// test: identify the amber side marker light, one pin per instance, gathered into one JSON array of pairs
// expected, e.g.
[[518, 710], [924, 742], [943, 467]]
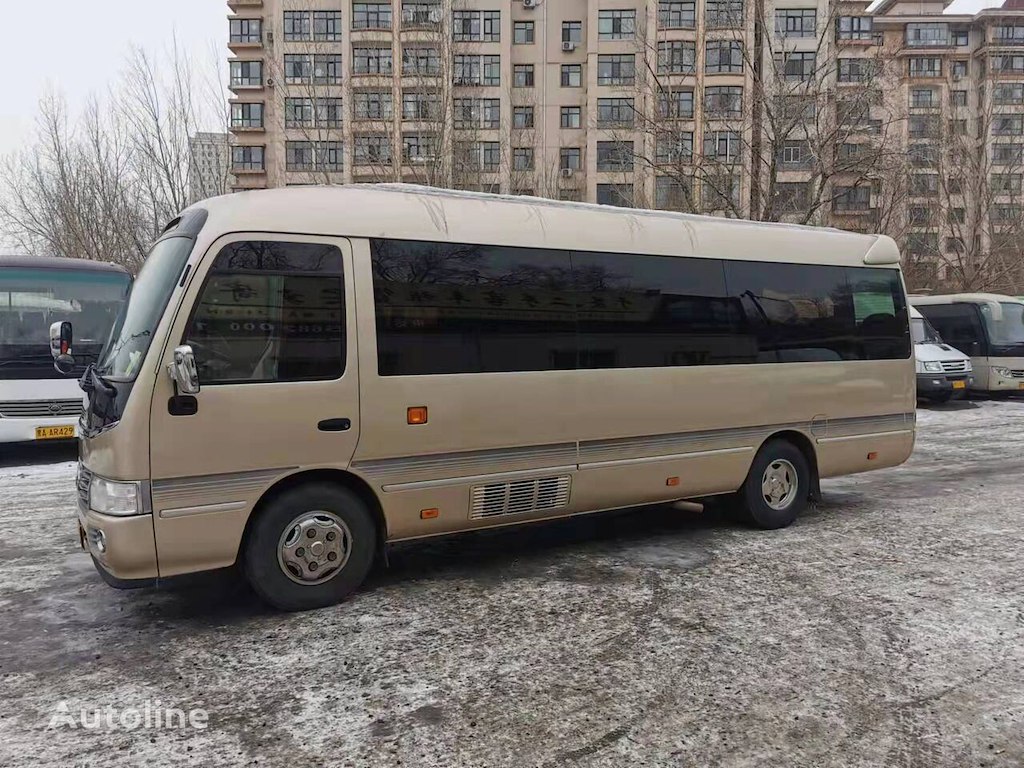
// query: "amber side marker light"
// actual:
[[672, 481], [873, 455], [416, 415], [429, 514]]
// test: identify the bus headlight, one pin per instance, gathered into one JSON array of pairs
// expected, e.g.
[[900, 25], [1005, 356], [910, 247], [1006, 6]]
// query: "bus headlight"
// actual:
[[1004, 372], [112, 497], [969, 367], [933, 367]]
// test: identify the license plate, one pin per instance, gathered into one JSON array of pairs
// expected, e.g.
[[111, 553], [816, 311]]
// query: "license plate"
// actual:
[[55, 433], [1021, 385], [959, 385]]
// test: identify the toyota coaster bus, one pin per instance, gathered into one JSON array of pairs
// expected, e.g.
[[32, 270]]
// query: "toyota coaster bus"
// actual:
[[303, 376], [988, 327], [37, 402]]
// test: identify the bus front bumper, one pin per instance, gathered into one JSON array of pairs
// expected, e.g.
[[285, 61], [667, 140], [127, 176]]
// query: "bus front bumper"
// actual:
[[23, 430], [122, 548], [951, 386]]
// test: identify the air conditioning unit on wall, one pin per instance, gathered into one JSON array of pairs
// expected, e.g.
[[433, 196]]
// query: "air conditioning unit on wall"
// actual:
[[566, 173], [568, 47], [531, 3]]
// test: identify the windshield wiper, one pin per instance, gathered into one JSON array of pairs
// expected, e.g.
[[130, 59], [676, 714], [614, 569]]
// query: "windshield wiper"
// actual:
[[91, 381]]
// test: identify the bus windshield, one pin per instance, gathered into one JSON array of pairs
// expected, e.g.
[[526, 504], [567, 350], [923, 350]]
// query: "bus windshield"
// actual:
[[1010, 329], [140, 315], [33, 298], [923, 332]]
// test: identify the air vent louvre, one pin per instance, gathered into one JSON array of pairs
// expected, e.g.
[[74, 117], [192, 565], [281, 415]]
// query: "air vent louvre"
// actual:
[[519, 497]]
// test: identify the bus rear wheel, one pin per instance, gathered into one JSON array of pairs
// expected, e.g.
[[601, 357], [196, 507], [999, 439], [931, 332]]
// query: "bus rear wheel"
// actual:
[[310, 547], [777, 487]]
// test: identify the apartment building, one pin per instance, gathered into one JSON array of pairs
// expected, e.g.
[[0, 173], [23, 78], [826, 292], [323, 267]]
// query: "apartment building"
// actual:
[[644, 102], [209, 165]]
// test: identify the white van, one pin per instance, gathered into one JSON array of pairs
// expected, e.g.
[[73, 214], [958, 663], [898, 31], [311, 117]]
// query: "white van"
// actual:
[[943, 373]]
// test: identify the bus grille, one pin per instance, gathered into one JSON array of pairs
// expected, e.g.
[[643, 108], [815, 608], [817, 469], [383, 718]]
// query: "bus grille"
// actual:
[[518, 497], [45, 409], [82, 482], [954, 366], [1017, 374]]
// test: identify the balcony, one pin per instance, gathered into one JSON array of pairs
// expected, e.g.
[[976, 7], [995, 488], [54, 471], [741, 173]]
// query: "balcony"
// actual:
[[236, 5], [242, 43]]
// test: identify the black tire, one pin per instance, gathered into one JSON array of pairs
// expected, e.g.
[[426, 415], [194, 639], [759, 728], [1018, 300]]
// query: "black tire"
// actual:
[[266, 574], [755, 506]]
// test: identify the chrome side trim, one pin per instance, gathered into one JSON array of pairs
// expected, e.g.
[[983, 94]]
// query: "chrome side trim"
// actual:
[[230, 506], [466, 463], [667, 457], [866, 435]]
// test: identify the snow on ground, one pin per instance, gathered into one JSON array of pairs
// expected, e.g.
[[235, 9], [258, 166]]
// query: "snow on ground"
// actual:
[[886, 627]]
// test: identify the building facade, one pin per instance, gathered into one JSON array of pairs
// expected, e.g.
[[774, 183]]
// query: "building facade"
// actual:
[[209, 165], [815, 112]]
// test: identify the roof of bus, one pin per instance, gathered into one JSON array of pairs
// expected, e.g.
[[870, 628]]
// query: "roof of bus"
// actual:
[[57, 262], [410, 212], [962, 298]]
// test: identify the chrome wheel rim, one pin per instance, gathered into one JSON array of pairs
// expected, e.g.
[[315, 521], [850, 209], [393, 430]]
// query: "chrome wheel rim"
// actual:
[[779, 484], [314, 547]]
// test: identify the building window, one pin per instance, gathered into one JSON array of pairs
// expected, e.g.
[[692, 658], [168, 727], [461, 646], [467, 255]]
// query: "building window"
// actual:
[[247, 115], [722, 56], [720, 14], [247, 158], [673, 14], [676, 104], [960, 37], [927, 34], [922, 98], [924, 184], [797, 66], [853, 28], [723, 146], [615, 156], [671, 194], [572, 75], [925, 66], [674, 148], [522, 158], [477, 70], [298, 113], [723, 101], [851, 199], [327, 26], [477, 113], [721, 192], [522, 75], [418, 148], [958, 98], [421, 62], [1007, 154], [795, 154], [1007, 125], [855, 70], [246, 74], [792, 196], [616, 69], [922, 126], [371, 15], [327, 69], [1007, 63], [1009, 33], [570, 158], [330, 155], [796, 22], [522, 33], [371, 61], [616, 24], [477, 26], [677, 57], [1008, 93], [371, 149], [922, 155], [957, 215], [920, 216], [571, 117], [246, 30], [522, 117], [1007, 183], [619, 195], [421, 105], [615, 113], [372, 105], [572, 32], [299, 156], [297, 26], [957, 69], [421, 14]]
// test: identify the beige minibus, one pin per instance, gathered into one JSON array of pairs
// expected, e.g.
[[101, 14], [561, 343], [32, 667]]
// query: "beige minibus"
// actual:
[[303, 376]]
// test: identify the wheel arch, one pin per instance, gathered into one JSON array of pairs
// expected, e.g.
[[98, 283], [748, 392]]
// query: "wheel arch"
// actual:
[[804, 444], [340, 477]]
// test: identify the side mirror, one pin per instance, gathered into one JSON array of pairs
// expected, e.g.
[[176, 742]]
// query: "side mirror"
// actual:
[[183, 371], [60, 347]]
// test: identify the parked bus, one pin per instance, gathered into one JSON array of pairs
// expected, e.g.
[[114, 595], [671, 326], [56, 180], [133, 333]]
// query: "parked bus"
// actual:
[[943, 373], [303, 376], [37, 402], [989, 328]]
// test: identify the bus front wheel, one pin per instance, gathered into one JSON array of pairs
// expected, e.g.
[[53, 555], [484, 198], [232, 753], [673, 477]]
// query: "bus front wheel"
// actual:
[[310, 547], [777, 486]]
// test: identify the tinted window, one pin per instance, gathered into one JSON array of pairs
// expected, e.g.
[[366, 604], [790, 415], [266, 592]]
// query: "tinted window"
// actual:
[[270, 311], [958, 324], [453, 308], [648, 311], [879, 313]]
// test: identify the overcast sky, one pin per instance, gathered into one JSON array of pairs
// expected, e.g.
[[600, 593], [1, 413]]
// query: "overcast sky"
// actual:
[[79, 48]]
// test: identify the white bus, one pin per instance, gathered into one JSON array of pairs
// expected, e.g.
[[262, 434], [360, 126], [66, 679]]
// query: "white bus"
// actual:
[[303, 376], [37, 402], [987, 326]]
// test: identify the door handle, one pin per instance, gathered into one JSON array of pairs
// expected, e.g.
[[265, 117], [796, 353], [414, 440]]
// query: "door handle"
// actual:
[[334, 425]]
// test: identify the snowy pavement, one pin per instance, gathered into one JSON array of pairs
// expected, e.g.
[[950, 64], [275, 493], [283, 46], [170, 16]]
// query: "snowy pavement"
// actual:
[[885, 628]]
